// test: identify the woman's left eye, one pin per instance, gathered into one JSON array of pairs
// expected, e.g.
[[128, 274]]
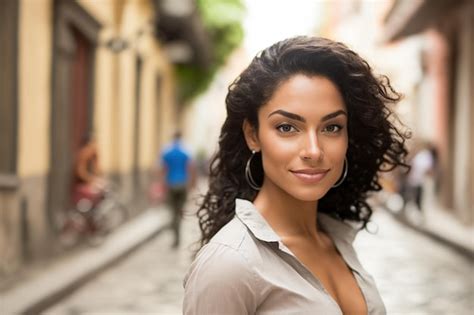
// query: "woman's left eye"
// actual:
[[333, 128], [285, 128]]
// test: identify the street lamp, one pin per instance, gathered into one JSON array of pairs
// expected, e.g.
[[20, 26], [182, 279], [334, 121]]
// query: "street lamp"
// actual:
[[117, 44]]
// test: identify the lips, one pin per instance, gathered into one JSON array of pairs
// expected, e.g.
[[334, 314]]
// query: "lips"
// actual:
[[310, 176]]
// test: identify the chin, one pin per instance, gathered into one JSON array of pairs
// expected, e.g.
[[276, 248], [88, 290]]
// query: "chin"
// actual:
[[309, 195], [298, 191]]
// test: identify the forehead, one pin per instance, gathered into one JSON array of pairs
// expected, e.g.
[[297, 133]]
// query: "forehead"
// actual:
[[306, 95]]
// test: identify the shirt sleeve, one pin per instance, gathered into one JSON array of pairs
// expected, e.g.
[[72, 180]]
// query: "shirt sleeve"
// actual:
[[220, 281]]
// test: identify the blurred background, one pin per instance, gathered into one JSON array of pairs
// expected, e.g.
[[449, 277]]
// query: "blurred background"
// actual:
[[129, 73]]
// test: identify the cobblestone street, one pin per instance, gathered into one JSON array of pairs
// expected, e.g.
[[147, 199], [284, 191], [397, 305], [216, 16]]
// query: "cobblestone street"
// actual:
[[414, 274]]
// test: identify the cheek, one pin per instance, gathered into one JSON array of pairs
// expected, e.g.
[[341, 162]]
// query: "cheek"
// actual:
[[337, 153], [276, 152], [273, 153], [336, 148]]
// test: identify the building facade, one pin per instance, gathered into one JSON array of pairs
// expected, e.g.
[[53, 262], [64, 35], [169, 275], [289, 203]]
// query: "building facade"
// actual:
[[72, 68], [445, 92], [426, 49]]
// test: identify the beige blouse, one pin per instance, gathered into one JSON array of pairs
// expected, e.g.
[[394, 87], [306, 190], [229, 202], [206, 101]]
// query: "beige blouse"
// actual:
[[246, 269]]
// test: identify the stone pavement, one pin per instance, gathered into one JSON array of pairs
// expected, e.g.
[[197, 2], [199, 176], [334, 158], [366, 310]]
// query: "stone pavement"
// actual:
[[415, 275], [54, 281], [148, 282], [434, 221]]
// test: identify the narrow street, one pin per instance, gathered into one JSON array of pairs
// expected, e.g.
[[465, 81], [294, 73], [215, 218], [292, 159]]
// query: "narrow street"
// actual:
[[108, 102], [148, 281], [415, 275]]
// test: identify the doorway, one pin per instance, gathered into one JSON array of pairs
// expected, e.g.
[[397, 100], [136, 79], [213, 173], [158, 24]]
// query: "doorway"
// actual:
[[75, 38]]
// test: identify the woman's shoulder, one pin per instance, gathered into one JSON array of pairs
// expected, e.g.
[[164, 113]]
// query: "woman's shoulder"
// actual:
[[232, 234], [220, 281], [232, 241], [219, 269], [228, 253], [220, 258]]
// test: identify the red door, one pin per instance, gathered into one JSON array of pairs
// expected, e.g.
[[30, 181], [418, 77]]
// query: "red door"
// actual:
[[80, 92]]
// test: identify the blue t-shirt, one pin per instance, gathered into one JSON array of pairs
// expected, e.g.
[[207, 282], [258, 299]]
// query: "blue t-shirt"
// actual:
[[176, 159]]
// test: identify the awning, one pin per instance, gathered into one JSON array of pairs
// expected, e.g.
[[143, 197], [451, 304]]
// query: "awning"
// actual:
[[409, 17]]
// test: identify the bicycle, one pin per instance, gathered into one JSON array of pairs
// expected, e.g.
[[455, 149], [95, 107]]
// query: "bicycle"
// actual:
[[92, 220]]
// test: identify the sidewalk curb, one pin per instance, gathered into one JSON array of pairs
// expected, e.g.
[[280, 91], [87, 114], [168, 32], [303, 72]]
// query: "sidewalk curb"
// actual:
[[37, 294], [425, 230]]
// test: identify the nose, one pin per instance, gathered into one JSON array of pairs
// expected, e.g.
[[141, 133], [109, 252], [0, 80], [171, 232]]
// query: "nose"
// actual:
[[311, 149]]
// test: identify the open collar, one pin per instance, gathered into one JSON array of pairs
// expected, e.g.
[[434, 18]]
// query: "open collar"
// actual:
[[259, 227], [253, 220]]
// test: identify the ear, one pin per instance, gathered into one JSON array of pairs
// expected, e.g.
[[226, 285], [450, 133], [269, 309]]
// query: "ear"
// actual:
[[251, 137]]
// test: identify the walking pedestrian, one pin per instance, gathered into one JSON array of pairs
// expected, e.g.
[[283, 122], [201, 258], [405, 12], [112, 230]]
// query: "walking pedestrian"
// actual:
[[307, 131], [178, 173], [423, 166]]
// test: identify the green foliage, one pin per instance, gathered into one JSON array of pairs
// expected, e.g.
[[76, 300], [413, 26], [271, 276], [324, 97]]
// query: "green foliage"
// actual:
[[223, 21]]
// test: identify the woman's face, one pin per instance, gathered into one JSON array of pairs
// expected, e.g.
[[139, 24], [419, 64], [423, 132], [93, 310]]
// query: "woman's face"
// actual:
[[302, 136]]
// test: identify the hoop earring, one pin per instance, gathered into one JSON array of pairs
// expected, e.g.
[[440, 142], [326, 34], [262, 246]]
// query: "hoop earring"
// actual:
[[344, 174], [248, 173]]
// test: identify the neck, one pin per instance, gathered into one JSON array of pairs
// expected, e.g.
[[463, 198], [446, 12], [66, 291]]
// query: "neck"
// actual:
[[288, 217]]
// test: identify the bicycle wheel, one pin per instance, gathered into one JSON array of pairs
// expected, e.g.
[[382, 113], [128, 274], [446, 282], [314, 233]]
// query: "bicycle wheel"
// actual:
[[70, 229], [109, 214]]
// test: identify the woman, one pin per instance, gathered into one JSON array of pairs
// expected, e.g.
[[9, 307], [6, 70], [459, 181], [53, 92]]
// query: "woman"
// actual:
[[307, 131]]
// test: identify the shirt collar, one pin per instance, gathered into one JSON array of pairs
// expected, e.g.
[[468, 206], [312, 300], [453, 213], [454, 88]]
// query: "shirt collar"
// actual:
[[253, 220]]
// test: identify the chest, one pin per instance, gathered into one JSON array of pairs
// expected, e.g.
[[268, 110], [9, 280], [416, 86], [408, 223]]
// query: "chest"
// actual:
[[329, 268]]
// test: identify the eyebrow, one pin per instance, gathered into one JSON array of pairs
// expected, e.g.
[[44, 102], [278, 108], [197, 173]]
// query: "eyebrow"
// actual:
[[302, 119]]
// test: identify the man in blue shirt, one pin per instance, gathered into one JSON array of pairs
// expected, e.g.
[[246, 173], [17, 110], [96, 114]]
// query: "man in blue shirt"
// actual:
[[179, 176]]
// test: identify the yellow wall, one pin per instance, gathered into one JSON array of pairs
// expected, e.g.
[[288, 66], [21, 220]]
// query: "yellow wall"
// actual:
[[126, 104], [35, 42], [115, 85], [155, 103], [133, 21], [114, 106], [136, 20], [169, 115], [104, 101], [102, 10], [147, 117]]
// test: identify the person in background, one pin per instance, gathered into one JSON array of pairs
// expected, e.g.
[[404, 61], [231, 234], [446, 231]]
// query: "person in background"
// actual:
[[423, 166], [177, 171], [88, 181]]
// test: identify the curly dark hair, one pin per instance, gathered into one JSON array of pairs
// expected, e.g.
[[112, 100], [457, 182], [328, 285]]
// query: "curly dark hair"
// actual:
[[375, 142]]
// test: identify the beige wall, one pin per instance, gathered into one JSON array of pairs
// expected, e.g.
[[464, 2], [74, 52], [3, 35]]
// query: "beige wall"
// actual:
[[463, 120], [168, 111], [115, 86], [34, 122], [35, 42], [106, 73], [105, 105], [102, 10], [114, 105], [148, 118], [155, 103]]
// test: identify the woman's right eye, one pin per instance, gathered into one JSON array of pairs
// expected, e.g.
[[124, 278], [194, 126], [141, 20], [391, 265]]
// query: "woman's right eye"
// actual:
[[285, 128]]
